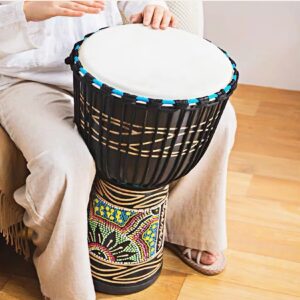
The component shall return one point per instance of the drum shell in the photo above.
(141, 146)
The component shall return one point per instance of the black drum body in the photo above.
(143, 146)
(140, 145)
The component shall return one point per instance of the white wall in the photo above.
(262, 37)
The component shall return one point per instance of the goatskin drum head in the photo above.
(158, 64)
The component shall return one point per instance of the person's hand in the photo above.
(155, 15)
(43, 10)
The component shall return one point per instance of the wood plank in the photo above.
(264, 165)
(264, 240)
(238, 183)
(243, 106)
(167, 287)
(256, 136)
(273, 145)
(21, 288)
(264, 212)
(282, 111)
(196, 287)
(255, 93)
(252, 271)
(285, 128)
(288, 191)
(4, 277)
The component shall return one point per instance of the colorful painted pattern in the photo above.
(122, 235)
(111, 213)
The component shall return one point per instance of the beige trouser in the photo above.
(39, 119)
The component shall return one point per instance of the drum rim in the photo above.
(77, 68)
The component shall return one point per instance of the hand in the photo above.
(155, 15)
(43, 10)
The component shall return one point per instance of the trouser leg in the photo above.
(196, 215)
(39, 119)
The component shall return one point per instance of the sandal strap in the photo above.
(198, 258)
(187, 252)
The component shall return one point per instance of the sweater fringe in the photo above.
(15, 234)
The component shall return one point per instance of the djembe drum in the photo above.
(147, 104)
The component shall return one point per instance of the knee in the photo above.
(228, 122)
(74, 164)
(57, 178)
(63, 165)
(225, 132)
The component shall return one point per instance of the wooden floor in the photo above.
(263, 215)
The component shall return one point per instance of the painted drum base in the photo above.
(126, 236)
(106, 288)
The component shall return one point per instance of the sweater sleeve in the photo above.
(16, 34)
(129, 8)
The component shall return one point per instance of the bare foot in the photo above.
(207, 258)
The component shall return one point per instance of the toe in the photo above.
(208, 258)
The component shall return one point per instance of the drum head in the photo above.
(158, 64)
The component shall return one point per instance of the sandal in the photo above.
(186, 256)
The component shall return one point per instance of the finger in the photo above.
(174, 21)
(95, 4)
(79, 7)
(100, 3)
(148, 14)
(157, 17)
(137, 18)
(166, 20)
(65, 12)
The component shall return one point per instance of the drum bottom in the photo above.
(113, 289)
